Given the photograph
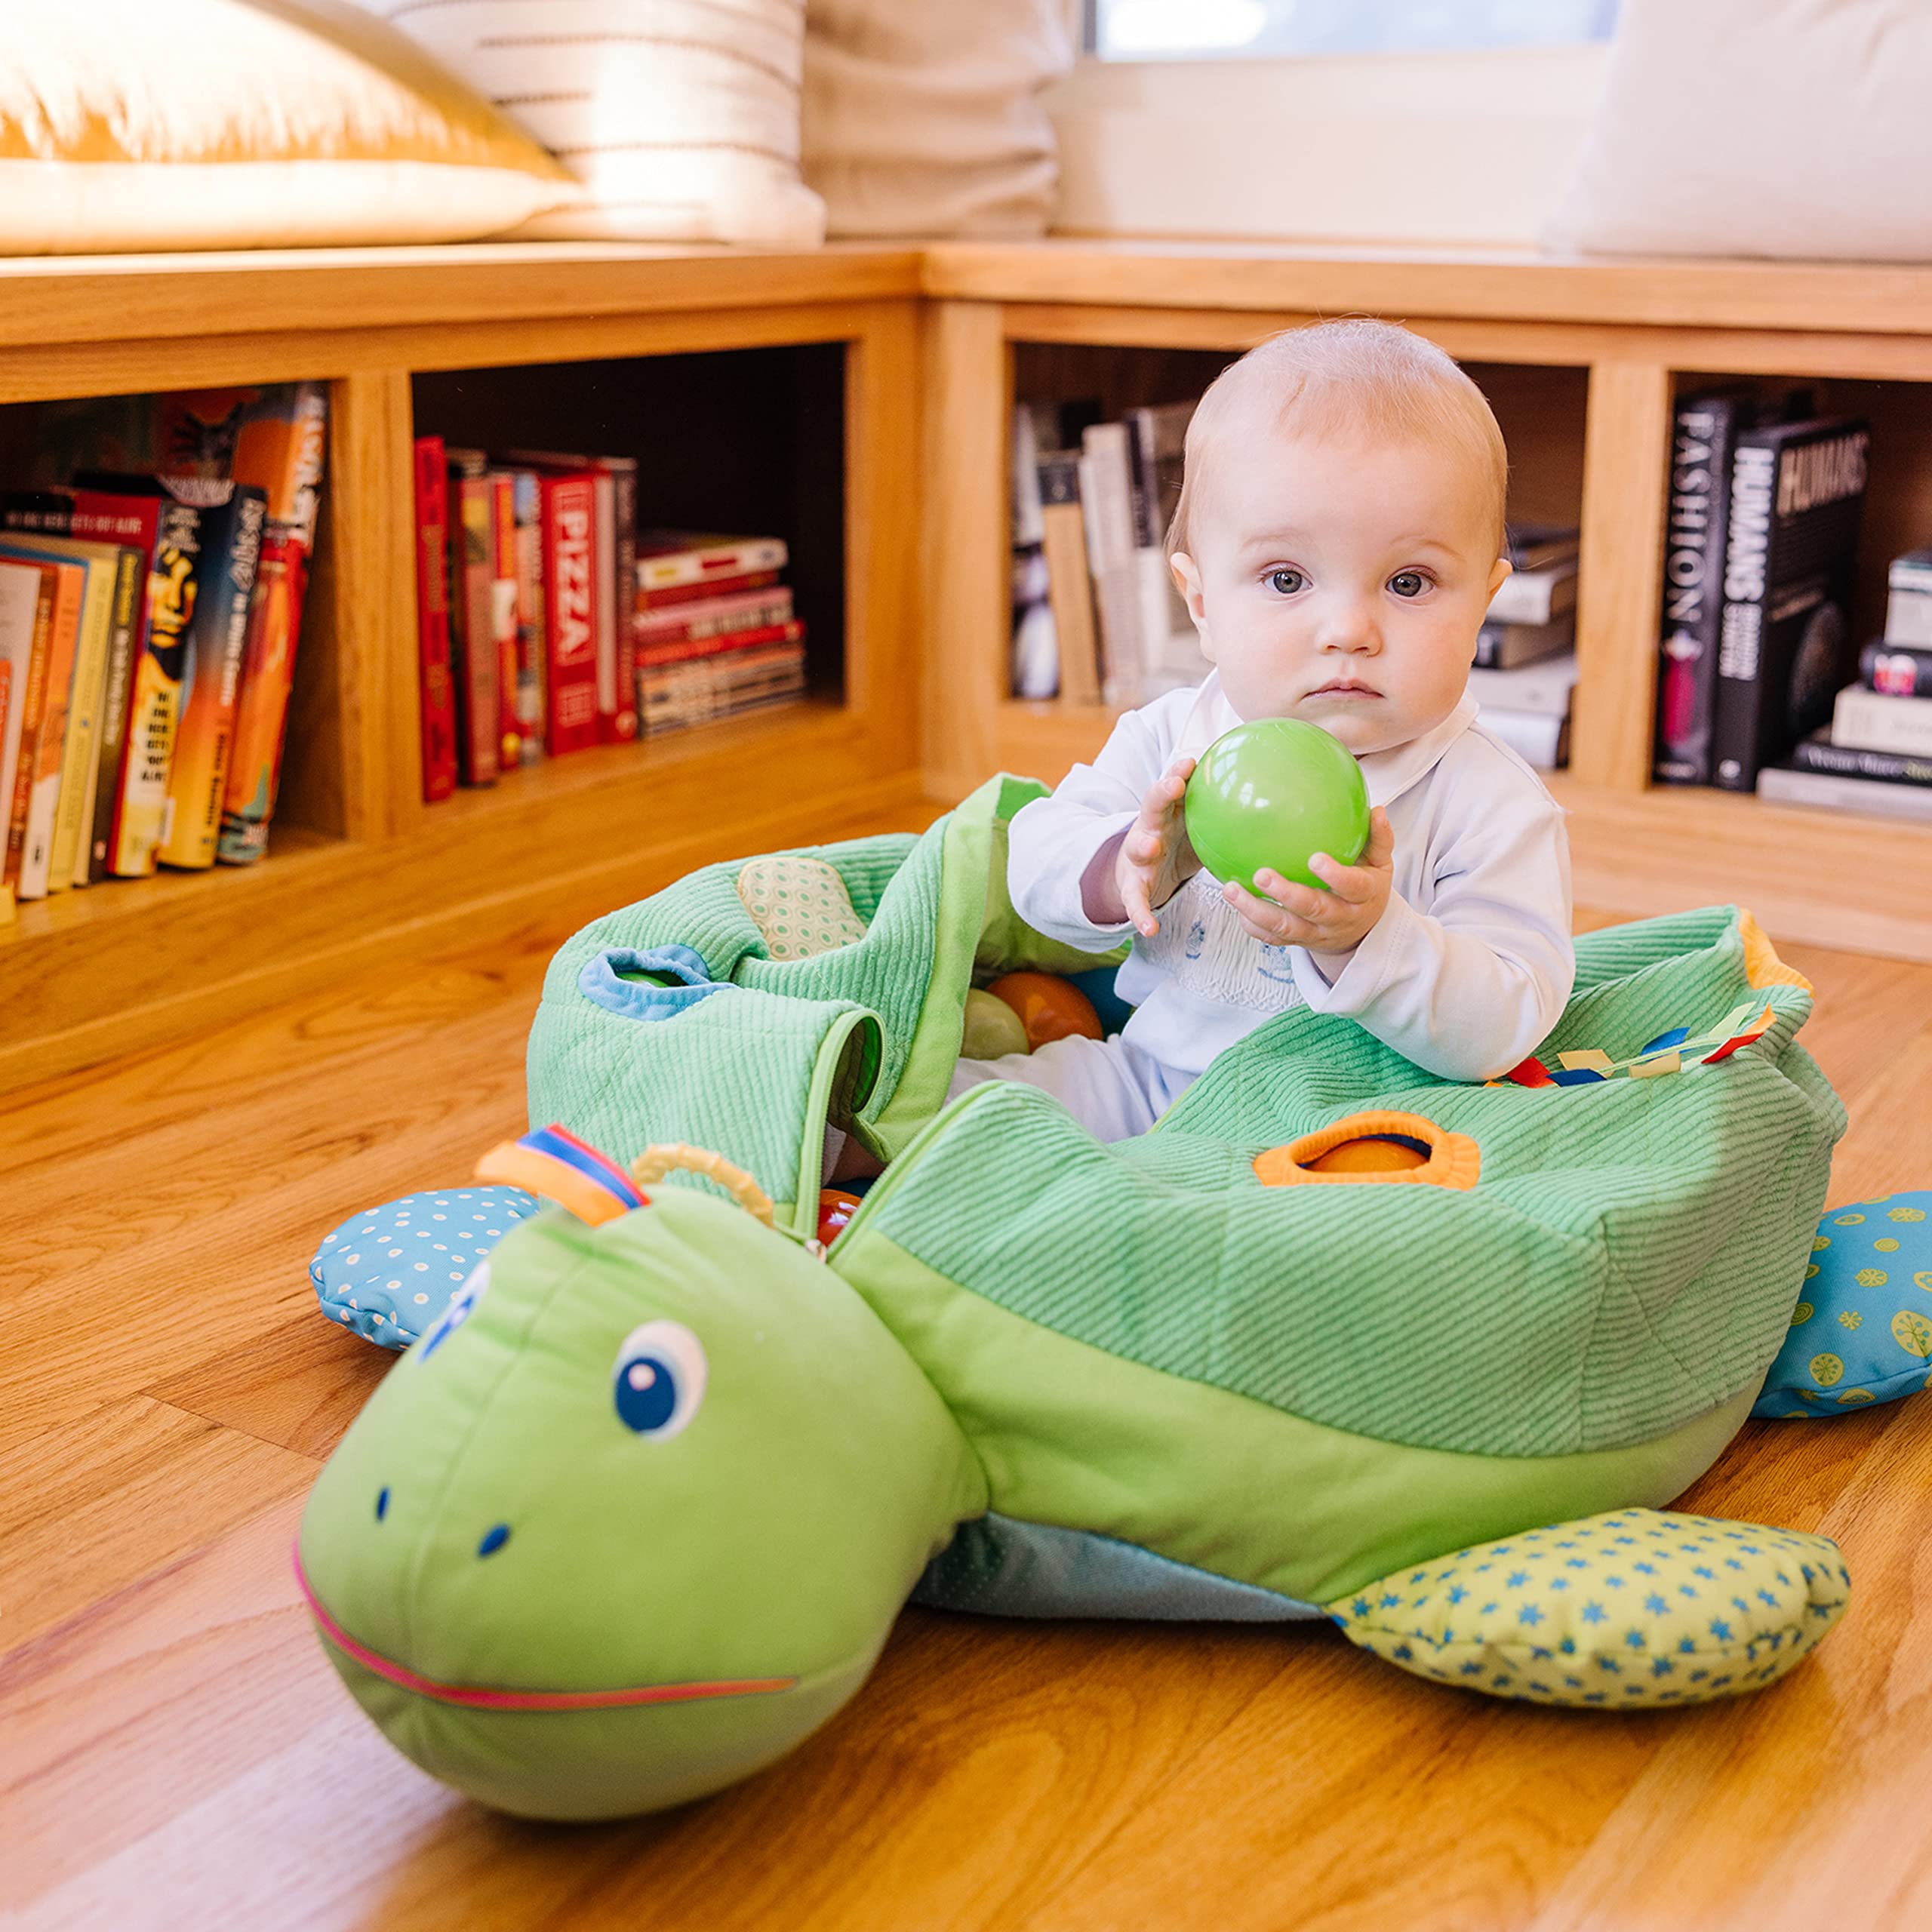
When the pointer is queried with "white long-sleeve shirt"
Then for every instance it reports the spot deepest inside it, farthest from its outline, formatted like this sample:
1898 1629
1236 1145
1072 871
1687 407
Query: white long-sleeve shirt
1465 972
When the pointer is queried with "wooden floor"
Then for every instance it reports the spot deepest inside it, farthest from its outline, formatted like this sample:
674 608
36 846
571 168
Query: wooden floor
175 1753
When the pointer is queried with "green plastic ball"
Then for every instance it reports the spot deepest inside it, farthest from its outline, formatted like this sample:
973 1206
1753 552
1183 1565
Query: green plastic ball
1269 795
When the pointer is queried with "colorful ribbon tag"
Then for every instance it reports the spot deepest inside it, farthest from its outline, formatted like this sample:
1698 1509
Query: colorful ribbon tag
554 1163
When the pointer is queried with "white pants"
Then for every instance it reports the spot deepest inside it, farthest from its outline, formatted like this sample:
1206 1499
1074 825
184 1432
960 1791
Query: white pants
1115 1091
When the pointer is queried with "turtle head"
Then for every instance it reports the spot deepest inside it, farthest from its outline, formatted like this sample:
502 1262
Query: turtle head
635 1517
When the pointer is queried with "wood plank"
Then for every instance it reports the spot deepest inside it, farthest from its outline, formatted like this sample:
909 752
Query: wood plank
89 1506
1626 467
967 542
96 298
1503 284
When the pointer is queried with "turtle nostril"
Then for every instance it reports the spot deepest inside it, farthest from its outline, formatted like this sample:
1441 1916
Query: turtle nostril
382 1503
494 1541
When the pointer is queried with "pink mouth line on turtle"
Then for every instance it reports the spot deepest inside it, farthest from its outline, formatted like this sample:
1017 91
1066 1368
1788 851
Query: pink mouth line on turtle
478 1697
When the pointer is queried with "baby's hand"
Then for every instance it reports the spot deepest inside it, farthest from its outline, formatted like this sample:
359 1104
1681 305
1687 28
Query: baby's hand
1156 860
1332 921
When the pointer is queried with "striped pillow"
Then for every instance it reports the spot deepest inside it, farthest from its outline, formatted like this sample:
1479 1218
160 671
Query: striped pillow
680 117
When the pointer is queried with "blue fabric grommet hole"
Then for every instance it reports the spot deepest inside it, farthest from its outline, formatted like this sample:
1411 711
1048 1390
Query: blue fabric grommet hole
626 980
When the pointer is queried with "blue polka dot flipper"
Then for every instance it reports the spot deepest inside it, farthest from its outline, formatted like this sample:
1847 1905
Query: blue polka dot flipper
389 1271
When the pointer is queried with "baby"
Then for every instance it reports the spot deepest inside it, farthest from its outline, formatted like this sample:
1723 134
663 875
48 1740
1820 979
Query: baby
1337 540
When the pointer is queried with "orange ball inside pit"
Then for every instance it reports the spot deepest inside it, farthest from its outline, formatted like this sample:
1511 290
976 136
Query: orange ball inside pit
836 1207
1370 1156
1049 1008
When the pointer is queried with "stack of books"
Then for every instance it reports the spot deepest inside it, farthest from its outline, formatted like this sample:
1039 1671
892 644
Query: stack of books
1876 755
151 593
1096 616
1761 542
716 635
1526 660
522 561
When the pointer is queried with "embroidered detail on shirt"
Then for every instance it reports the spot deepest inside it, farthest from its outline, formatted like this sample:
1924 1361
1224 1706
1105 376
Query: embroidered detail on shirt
1203 946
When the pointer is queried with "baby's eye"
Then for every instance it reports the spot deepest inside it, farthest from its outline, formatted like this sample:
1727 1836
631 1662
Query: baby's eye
1408 583
1286 583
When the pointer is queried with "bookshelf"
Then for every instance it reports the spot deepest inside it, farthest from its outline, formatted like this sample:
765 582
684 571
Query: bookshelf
857 398
1582 362
775 390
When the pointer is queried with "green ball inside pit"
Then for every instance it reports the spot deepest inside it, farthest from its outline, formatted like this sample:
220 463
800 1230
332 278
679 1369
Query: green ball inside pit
1269 794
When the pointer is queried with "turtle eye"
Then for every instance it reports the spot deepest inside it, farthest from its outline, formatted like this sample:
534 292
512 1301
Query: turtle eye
452 1318
658 1381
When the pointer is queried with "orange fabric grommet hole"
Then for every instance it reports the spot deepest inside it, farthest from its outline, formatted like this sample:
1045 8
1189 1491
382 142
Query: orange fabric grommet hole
1374 1147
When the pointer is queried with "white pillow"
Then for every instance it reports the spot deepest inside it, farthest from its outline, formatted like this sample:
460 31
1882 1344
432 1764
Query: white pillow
1782 127
680 117
923 117
245 123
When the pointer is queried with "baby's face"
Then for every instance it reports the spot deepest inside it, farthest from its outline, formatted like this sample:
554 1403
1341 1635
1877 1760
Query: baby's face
1341 581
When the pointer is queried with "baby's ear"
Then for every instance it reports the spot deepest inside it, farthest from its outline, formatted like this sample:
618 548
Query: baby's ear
1187 581
1504 569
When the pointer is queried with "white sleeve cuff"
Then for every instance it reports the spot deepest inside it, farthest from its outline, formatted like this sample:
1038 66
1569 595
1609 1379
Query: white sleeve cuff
1361 975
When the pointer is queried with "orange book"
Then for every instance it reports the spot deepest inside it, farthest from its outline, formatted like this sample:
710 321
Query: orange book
43 725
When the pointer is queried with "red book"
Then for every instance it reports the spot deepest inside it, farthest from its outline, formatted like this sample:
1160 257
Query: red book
432 619
570 599
503 588
473 617
668 558
685 650
691 593
712 617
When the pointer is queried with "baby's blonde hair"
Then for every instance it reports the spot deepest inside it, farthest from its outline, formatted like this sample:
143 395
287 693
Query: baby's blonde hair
1371 378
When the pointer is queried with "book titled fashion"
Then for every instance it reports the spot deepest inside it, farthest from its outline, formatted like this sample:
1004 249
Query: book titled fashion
1797 497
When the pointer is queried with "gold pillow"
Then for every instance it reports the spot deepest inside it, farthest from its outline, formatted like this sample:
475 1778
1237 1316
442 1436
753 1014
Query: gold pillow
241 123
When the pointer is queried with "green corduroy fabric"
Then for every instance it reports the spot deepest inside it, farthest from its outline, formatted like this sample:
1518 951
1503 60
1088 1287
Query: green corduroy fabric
1628 1262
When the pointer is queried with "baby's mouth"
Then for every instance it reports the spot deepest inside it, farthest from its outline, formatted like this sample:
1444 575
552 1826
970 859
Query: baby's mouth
1344 687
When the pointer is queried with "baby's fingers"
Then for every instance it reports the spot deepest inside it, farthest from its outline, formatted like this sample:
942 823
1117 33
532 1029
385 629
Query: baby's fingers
1134 898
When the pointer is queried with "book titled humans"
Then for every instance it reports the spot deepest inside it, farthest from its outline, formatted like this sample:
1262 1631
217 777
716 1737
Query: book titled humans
1797 494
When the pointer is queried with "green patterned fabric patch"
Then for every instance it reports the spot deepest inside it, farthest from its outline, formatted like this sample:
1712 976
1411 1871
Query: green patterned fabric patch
1633 1609
800 906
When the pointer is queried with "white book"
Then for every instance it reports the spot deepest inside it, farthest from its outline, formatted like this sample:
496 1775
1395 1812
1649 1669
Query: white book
1541 741
1536 597
1868 720
1780 787
1107 503
1543 688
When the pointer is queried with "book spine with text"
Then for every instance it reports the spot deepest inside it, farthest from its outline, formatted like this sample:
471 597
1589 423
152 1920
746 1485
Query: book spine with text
268 673
1701 439
505 614
569 526
437 697
473 601
1899 670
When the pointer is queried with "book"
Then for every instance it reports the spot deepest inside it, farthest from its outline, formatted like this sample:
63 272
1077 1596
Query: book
686 650
1869 720
1705 427
204 735
712 617
43 723
568 518
670 559
1070 590
28 643
436 694
1170 649
712 689
1899 670
1536 738
525 507
268 673
102 659
621 724
26 612
1908 599
1817 753
1503 647
475 648
138 521
1544 687
672 595
1796 496
1782 785
1531 546
1106 508
506 588
1536 596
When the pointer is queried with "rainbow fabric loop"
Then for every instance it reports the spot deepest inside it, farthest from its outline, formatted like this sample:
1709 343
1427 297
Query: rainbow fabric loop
552 1162
1674 1052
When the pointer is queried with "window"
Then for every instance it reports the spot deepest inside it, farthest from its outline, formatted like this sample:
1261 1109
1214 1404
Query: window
1241 30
